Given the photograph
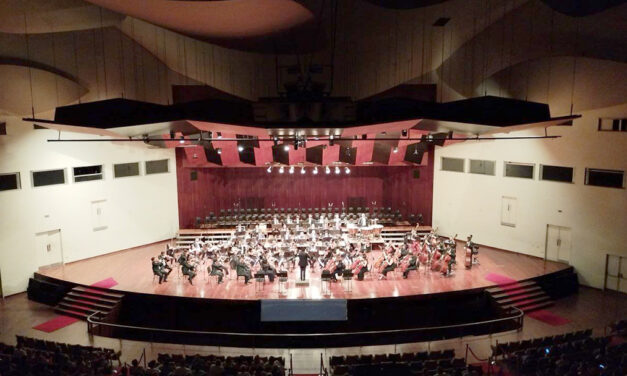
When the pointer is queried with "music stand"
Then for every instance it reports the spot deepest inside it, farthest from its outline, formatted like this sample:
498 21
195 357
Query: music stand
324 282
282 282
347 276
260 280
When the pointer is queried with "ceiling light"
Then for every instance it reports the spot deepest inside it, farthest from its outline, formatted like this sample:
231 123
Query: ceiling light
347 170
302 170
337 170
269 169
327 170
315 171
291 169
240 148
281 170
286 148
219 151
395 150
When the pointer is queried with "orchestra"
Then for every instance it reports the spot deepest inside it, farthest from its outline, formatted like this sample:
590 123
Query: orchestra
329 247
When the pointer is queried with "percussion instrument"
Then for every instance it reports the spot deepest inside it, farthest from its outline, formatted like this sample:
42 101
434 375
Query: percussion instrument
376 230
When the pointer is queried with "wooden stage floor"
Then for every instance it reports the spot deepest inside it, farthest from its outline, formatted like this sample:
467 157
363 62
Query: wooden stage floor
132 270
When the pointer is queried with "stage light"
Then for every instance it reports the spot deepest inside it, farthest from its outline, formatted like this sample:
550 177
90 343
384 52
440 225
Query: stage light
302 170
286 148
337 170
219 135
281 170
240 148
315 170
347 170
327 170
291 169
331 140
395 150
219 151
182 140
269 169
275 140
404 132
171 135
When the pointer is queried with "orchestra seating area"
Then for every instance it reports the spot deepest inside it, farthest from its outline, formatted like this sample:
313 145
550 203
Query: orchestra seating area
441 362
575 353
233 217
37 357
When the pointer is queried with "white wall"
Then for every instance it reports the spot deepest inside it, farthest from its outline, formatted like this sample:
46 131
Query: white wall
139 210
467 203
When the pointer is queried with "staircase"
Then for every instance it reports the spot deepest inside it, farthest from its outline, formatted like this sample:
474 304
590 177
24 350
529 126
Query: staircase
81 302
527 296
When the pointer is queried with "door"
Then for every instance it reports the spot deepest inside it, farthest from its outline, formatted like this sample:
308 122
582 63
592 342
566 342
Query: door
508 211
616 273
558 243
49 249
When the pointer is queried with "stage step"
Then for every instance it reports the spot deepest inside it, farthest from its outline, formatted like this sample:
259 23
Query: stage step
527 296
81 302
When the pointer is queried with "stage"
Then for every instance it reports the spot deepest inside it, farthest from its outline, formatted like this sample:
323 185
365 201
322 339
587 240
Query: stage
131 269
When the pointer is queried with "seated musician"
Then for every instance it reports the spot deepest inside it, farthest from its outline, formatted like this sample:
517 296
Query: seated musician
413 265
217 269
163 260
156 270
242 269
188 269
339 268
267 269
390 265
360 267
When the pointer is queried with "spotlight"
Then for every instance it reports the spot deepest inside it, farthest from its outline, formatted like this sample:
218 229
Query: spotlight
404 132
302 170
182 140
286 148
315 171
269 169
281 170
347 170
219 135
219 151
327 170
275 140
395 150
291 169
240 148
337 170
331 140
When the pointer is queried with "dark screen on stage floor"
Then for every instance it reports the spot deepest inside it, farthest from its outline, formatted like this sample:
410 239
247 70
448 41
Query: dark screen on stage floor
303 310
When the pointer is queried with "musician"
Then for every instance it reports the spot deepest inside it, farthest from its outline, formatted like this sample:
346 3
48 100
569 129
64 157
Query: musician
188 269
363 222
474 249
303 261
163 261
412 265
217 269
389 264
267 269
360 267
242 270
156 270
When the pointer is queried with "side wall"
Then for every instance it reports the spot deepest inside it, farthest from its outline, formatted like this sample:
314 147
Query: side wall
138 210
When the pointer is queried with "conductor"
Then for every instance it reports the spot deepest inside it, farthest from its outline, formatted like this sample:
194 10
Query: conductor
303 260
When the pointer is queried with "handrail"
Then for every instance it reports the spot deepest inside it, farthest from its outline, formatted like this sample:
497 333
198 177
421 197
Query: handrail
519 315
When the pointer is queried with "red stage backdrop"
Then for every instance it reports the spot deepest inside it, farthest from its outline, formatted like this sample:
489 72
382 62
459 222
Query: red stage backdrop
222 188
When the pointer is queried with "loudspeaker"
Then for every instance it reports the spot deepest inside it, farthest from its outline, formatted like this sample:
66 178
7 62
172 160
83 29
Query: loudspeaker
45 292
416 174
193 175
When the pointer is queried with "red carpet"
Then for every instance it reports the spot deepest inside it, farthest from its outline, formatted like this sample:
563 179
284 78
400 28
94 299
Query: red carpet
55 324
63 321
548 317
499 279
106 283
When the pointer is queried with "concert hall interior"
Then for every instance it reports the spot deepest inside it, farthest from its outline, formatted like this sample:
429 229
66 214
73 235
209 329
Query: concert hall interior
296 187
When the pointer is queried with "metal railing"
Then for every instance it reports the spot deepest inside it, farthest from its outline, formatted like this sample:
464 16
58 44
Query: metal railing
92 323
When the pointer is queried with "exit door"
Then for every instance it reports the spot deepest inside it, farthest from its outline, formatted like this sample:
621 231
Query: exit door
616 273
49 249
558 243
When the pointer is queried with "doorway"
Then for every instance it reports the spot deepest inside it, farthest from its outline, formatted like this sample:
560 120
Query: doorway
49 248
615 273
558 243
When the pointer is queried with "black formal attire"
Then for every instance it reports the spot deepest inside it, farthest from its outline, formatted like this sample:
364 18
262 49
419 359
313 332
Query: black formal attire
188 270
303 261
156 270
242 269
388 269
217 269
413 265
268 270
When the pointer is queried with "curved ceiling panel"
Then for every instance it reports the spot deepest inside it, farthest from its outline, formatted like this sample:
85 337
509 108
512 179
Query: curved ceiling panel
46 16
581 8
259 25
49 90
404 4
